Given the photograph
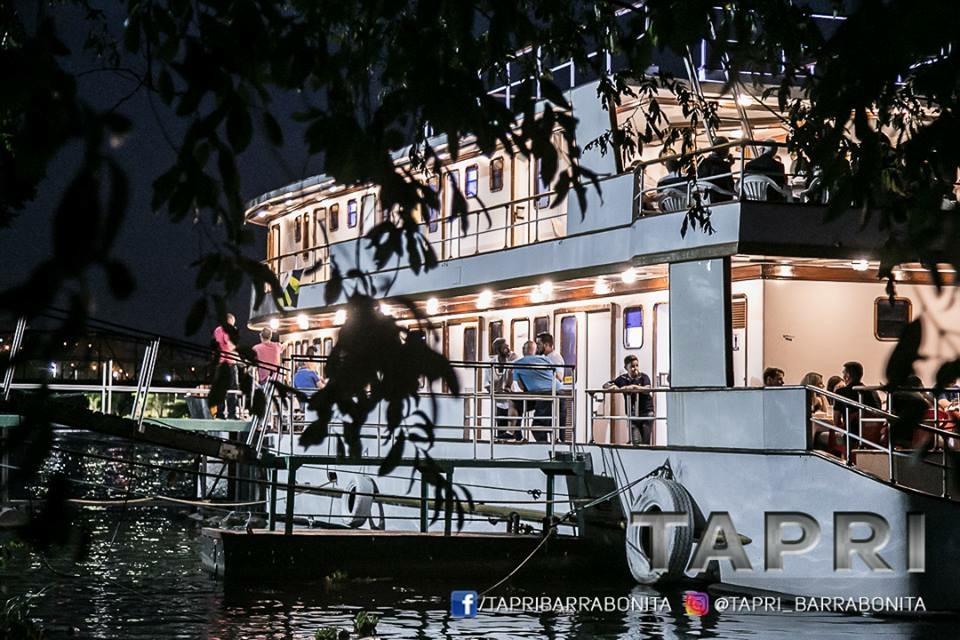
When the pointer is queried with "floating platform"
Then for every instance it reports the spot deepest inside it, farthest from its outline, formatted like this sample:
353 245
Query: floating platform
365 554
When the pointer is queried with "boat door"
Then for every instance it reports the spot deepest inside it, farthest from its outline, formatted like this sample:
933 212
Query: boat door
368 208
597 346
431 220
661 367
739 341
463 345
451 225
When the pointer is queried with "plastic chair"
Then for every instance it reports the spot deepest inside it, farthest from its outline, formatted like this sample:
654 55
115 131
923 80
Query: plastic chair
672 200
712 193
758 186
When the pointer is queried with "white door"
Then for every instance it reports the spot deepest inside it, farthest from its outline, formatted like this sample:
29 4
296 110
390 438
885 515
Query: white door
738 342
597 341
661 366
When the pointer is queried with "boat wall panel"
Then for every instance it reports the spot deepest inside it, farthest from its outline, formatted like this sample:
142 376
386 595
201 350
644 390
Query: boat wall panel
742 418
592 122
699 312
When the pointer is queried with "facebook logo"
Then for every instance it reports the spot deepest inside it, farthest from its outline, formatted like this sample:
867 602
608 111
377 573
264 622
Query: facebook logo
463 604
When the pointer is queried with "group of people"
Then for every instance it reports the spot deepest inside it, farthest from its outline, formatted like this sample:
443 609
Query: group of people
267 354
910 403
538 371
717 169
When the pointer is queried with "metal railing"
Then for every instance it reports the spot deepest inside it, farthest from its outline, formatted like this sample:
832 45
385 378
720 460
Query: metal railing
522 224
858 414
480 423
684 190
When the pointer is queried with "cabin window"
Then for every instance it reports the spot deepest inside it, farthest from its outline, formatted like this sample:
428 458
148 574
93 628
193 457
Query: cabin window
633 327
351 213
296 230
542 201
470 344
433 210
320 216
889 319
496 174
334 217
520 330
496 331
541 324
368 211
472 176
568 344
306 233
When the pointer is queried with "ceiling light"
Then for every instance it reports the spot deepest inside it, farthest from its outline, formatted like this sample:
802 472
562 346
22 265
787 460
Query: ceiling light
485 299
602 287
303 322
340 317
629 276
899 275
744 100
385 309
536 295
736 134
785 271
433 306
274 323
546 288
859 265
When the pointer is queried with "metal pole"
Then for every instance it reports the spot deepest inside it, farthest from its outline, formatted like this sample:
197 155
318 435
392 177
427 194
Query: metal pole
846 423
272 514
448 506
423 504
291 484
493 408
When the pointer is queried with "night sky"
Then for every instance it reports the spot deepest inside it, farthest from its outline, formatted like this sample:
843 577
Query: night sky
157 251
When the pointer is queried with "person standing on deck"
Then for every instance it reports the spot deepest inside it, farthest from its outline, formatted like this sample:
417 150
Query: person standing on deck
226 336
268 354
502 381
639 405
541 381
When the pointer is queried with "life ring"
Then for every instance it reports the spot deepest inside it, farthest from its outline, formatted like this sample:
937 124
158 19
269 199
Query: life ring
660 495
378 521
358 501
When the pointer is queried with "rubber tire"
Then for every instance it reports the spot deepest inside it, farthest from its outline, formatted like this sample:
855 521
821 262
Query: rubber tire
357 501
659 494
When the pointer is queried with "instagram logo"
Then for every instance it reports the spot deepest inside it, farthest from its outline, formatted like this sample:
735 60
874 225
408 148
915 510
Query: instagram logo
696 603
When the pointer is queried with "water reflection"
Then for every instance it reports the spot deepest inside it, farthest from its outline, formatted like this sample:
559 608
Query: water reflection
142 578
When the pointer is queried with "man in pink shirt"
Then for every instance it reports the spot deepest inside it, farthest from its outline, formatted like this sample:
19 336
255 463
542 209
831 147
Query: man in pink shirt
225 335
268 353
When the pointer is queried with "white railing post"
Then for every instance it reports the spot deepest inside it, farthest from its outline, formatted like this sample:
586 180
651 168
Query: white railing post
14 351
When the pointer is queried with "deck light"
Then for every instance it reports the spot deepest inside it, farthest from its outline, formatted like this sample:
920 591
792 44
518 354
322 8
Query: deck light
629 276
536 295
899 275
303 322
602 287
546 288
859 265
340 317
485 299
736 134
274 323
785 271
385 309
433 306
744 100
168 377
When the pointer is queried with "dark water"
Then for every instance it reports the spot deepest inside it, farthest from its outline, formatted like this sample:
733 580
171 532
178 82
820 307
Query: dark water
142 578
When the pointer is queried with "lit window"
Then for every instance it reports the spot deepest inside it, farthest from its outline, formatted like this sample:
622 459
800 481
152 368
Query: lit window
351 213
473 176
633 327
296 229
541 324
568 344
496 174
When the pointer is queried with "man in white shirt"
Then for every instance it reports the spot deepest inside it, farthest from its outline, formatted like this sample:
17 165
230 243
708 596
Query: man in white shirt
547 349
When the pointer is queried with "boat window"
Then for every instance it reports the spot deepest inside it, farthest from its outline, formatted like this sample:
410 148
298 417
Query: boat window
320 215
520 333
306 232
368 206
890 318
542 202
334 217
496 331
296 229
568 344
470 344
433 212
496 174
472 176
633 327
541 324
351 213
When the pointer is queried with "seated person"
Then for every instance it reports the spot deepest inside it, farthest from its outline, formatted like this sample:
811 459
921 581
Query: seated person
306 379
772 377
814 400
639 405
911 406
540 381
768 164
872 431
672 177
717 169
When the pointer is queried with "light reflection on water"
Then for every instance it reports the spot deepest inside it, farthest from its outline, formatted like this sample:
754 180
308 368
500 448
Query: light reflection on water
142 578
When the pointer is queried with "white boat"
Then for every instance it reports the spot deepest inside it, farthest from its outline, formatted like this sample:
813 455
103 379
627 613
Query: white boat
773 285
